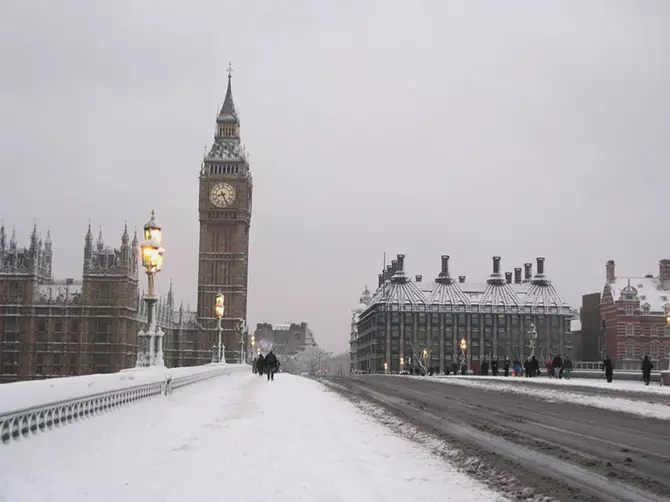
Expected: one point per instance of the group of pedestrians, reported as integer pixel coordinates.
(267, 365)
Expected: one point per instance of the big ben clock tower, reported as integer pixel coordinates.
(225, 216)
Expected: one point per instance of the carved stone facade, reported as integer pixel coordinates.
(225, 197)
(51, 327)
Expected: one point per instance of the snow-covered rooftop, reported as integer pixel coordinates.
(536, 294)
(648, 290)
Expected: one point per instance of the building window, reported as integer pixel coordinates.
(645, 310)
(630, 351)
(629, 329)
(629, 310)
(653, 350)
(654, 331)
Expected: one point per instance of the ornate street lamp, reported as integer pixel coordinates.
(220, 309)
(464, 347)
(148, 353)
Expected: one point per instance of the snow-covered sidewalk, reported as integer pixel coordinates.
(26, 394)
(237, 437)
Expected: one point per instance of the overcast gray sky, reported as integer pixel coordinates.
(473, 128)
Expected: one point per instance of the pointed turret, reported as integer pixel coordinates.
(48, 254)
(88, 247)
(170, 297)
(100, 244)
(12, 241)
(125, 238)
(33, 240)
(3, 238)
(228, 115)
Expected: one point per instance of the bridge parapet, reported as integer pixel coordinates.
(18, 423)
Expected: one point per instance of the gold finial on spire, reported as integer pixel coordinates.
(230, 70)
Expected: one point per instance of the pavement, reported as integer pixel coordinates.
(564, 450)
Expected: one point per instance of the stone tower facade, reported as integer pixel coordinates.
(109, 304)
(225, 195)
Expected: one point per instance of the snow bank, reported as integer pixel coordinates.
(620, 385)
(498, 384)
(242, 437)
(20, 395)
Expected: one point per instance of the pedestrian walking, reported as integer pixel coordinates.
(647, 366)
(260, 364)
(567, 367)
(608, 367)
(270, 365)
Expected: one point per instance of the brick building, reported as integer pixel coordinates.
(56, 327)
(284, 339)
(635, 317)
(409, 319)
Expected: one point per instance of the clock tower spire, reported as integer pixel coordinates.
(225, 189)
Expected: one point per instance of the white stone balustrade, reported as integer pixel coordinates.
(23, 423)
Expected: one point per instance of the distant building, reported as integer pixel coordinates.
(410, 321)
(363, 304)
(51, 327)
(589, 314)
(284, 339)
(635, 317)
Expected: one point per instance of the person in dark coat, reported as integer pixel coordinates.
(567, 368)
(647, 366)
(260, 364)
(609, 368)
(270, 365)
(494, 367)
(506, 366)
(557, 366)
(534, 367)
(253, 365)
(485, 368)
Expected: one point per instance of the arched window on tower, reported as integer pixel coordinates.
(653, 350)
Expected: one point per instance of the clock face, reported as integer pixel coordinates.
(222, 194)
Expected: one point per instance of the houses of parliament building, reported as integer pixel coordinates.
(51, 327)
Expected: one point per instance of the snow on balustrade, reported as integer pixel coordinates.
(20, 395)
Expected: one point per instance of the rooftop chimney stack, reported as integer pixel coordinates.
(418, 278)
(394, 266)
(528, 272)
(540, 265)
(445, 266)
(517, 275)
(380, 280)
(496, 265)
(664, 273)
(401, 263)
(461, 279)
(609, 271)
(508, 277)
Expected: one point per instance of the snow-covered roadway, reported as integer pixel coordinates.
(570, 450)
(237, 438)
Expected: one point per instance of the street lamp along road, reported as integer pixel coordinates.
(220, 309)
(148, 353)
(463, 346)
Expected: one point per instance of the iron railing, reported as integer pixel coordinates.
(28, 421)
